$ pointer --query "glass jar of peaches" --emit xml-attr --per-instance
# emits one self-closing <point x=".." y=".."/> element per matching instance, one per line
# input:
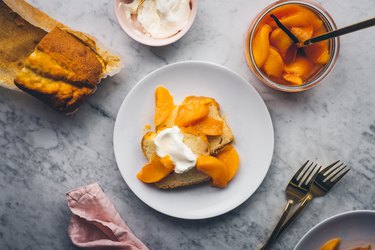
<point x="276" y="60"/>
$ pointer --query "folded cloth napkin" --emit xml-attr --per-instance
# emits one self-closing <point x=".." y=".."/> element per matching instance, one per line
<point x="95" y="223"/>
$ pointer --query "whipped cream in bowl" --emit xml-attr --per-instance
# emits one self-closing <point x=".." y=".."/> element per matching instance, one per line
<point x="156" y="22"/>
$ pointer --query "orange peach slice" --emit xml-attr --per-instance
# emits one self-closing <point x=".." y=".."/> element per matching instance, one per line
<point x="293" y="79"/>
<point x="163" y="105"/>
<point x="281" y="41"/>
<point x="300" y="67"/>
<point x="331" y="244"/>
<point x="156" y="170"/>
<point x="303" y="33"/>
<point x="190" y="112"/>
<point x="261" y="45"/>
<point x="215" y="169"/>
<point x="273" y="66"/>
<point x="203" y="99"/>
<point x="228" y="155"/>
<point x="302" y="18"/>
<point x="318" y="53"/>
<point x="209" y="126"/>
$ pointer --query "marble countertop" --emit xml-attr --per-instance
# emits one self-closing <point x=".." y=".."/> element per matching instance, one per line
<point x="44" y="154"/>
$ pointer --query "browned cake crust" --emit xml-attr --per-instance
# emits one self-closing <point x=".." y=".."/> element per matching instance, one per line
<point x="61" y="71"/>
<point x="73" y="55"/>
<point x="189" y="178"/>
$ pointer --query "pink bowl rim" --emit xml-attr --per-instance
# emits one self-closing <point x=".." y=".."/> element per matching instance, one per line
<point x="144" y="39"/>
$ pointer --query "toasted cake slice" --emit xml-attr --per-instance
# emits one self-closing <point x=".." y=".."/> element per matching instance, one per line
<point x="174" y="180"/>
<point x="218" y="142"/>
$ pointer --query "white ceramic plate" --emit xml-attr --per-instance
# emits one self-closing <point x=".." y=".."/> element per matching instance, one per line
<point x="246" y="114"/>
<point x="355" y="228"/>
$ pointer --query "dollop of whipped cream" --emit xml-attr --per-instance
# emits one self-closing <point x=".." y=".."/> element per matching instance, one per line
<point x="169" y="142"/>
<point x="160" y="18"/>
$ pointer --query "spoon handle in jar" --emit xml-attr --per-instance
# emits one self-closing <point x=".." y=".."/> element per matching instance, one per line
<point x="339" y="32"/>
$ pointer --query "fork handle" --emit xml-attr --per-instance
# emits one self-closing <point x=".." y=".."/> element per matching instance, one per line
<point x="301" y="207"/>
<point x="276" y="230"/>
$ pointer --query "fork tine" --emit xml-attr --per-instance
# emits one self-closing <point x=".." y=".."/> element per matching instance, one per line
<point x="329" y="168"/>
<point x="305" y="173"/>
<point x="341" y="174"/>
<point x="313" y="175"/>
<point x="299" y="173"/>
<point x="329" y="174"/>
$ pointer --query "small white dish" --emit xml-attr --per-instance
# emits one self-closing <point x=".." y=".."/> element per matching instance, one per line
<point x="246" y="114"/>
<point x="134" y="31"/>
<point x="355" y="228"/>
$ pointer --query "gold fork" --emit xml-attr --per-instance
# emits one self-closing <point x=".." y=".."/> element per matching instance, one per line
<point x="296" y="191"/>
<point x="323" y="182"/>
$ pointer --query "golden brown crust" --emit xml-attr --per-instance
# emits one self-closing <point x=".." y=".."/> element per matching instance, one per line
<point x="73" y="55"/>
<point x="61" y="71"/>
<point x="60" y="95"/>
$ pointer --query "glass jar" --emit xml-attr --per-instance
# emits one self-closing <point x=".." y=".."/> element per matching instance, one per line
<point x="334" y="47"/>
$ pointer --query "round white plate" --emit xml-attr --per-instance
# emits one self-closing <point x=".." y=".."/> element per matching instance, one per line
<point x="246" y="114"/>
<point x="355" y="228"/>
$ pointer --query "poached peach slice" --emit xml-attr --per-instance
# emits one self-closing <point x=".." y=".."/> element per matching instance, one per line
<point x="331" y="244"/>
<point x="281" y="41"/>
<point x="318" y="52"/>
<point x="155" y="170"/>
<point x="209" y="126"/>
<point x="216" y="169"/>
<point x="274" y="64"/>
<point x="163" y="105"/>
<point x="303" y="33"/>
<point x="261" y="45"/>
<point x="228" y="155"/>
<point x="300" y="67"/>
<point x="293" y="79"/>
<point x="190" y="112"/>
<point x="304" y="17"/>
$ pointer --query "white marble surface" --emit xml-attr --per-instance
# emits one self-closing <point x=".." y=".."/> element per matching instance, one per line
<point x="44" y="154"/>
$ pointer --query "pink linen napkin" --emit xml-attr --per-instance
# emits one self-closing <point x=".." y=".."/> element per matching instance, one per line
<point x="95" y="223"/>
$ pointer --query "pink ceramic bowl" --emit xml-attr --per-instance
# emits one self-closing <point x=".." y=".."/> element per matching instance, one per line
<point x="140" y="37"/>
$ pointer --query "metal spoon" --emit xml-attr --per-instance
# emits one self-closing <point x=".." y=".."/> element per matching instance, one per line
<point x="348" y="29"/>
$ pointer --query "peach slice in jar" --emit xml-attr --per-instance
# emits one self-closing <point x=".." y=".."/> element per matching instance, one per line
<point x="281" y="41"/>
<point x="214" y="168"/>
<point x="303" y="33"/>
<point x="301" y="67"/>
<point x="163" y="105"/>
<point x="274" y="64"/>
<point x="304" y="17"/>
<point x="155" y="170"/>
<point x="318" y="53"/>
<point x="261" y="45"/>
<point x="229" y="156"/>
